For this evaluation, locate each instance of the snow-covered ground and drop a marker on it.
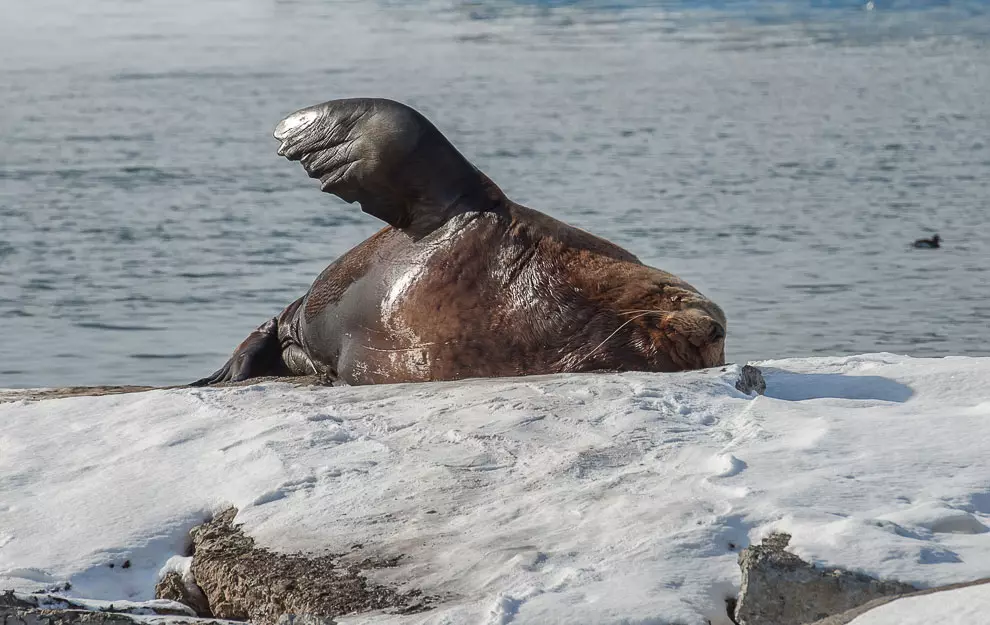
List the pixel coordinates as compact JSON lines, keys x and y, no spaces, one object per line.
{"x":559,"y":499}
{"x":962,"y":606}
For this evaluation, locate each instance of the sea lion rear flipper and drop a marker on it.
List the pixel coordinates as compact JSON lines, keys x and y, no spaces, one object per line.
{"x":387,"y":157}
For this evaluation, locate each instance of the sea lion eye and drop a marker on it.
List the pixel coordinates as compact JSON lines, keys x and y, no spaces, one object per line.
{"x":718,"y":331}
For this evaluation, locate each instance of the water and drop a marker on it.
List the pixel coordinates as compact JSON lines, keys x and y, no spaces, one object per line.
{"x":780,"y":156}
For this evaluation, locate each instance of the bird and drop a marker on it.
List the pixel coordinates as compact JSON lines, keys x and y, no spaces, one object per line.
{"x":931,"y":243}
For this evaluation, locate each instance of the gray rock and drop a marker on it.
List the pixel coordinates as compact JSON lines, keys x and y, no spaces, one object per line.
{"x":44,"y":600}
{"x":779,"y":588}
{"x":20,"y":616}
{"x":19,"y":611}
{"x":849,"y":615}
{"x":751,"y":380}
{"x":176,"y":588}
{"x":304,"y":619}
{"x":245,"y":582}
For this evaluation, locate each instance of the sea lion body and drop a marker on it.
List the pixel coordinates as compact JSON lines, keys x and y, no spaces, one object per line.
{"x":491,"y":289}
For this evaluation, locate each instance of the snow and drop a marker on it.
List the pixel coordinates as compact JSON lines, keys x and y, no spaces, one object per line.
{"x":606,"y":498}
{"x":961,"y":606}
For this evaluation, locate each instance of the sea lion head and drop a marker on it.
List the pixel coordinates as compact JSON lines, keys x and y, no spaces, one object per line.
{"x":691,"y":333}
{"x":656,"y":322}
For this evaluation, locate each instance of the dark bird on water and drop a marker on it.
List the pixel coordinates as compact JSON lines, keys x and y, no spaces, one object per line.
{"x":928,"y":243}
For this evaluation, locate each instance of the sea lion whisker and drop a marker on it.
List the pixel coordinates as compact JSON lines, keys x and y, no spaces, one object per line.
{"x":648,"y":312}
{"x":609,"y":337}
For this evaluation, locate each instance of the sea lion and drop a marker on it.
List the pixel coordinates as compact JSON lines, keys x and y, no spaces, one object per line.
{"x":463,"y":282}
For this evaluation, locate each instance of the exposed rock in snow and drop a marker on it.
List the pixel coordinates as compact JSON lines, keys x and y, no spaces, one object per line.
{"x":304,"y":619}
{"x":243,"y":581}
{"x":779,"y":588}
{"x":43,"y":609}
{"x":751,"y":381}
{"x":22,"y":616}
{"x":173,"y":586}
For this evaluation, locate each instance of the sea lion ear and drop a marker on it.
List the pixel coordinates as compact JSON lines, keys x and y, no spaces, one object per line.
{"x":388,"y":158}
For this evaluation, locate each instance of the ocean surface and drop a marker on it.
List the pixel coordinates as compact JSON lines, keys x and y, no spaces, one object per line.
{"x":780,"y":156}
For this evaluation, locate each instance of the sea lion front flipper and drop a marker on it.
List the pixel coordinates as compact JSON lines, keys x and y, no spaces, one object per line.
{"x":257,"y":355}
{"x":387,"y":157}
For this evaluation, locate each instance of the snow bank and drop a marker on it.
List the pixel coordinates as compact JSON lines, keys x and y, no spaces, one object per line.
{"x":962,"y":606}
{"x":556,"y":499}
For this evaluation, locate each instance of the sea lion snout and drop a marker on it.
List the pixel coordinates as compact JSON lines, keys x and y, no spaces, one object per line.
{"x":697,"y":326}
{"x":698,"y":336}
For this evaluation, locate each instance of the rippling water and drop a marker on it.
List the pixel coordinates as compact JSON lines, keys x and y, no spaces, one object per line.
{"x":780,"y":156}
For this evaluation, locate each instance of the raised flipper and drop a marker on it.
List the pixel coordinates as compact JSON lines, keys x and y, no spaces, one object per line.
{"x":388,"y":158}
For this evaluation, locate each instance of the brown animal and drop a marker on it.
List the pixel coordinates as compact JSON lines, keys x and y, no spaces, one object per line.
{"x":463,"y":282}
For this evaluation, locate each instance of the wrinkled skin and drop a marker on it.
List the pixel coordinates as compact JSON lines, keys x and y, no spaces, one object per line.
{"x":464,"y":282}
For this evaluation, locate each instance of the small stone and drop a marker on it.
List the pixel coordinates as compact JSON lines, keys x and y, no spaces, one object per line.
{"x":750,"y":380}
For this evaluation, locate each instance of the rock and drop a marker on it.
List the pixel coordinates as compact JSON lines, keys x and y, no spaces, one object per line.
{"x":15,"y":616}
{"x":18,"y":611}
{"x":849,"y":615}
{"x":51,"y":601}
{"x":175,"y":587}
{"x":245,"y":582}
{"x":304,"y":619}
{"x":750,"y":380}
{"x":779,"y":588}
